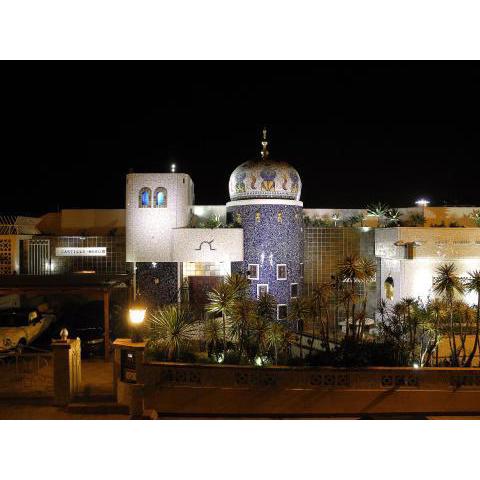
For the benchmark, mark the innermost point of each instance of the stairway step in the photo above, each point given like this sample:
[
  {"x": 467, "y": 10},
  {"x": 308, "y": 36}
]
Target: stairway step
[
  {"x": 105, "y": 408},
  {"x": 94, "y": 398}
]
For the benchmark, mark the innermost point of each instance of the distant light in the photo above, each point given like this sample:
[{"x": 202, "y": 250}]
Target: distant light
[
  {"x": 154, "y": 264},
  {"x": 173, "y": 167},
  {"x": 220, "y": 358},
  {"x": 422, "y": 202},
  {"x": 416, "y": 365}
]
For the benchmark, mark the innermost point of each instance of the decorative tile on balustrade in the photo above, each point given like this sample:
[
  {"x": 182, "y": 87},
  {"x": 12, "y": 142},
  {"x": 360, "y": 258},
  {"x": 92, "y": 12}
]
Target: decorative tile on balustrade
[{"x": 158, "y": 374}]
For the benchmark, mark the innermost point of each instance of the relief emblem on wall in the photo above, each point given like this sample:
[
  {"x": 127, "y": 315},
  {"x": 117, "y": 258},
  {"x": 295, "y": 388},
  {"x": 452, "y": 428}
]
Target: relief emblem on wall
[{"x": 210, "y": 244}]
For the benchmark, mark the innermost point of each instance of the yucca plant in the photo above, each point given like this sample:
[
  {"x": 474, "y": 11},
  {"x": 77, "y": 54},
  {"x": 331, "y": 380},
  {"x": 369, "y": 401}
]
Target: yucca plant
[
  {"x": 378, "y": 210},
  {"x": 172, "y": 330},
  {"x": 276, "y": 338}
]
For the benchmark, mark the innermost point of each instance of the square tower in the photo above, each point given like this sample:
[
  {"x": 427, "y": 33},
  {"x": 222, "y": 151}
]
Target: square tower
[{"x": 156, "y": 203}]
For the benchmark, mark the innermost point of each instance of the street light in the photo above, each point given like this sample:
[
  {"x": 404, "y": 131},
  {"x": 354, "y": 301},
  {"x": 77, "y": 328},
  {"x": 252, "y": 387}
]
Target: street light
[
  {"x": 137, "y": 317},
  {"x": 422, "y": 202}
]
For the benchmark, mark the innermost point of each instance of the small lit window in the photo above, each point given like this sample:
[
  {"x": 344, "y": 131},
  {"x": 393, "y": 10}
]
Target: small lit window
[
  {"x": 258, "y": 217},
  {"x": 282, "y": 312},
  {"x": 160, "y": 198},
  {"x": 253, "y": 271},
  {"x": 302, "y": 270},
  {"x": 281, "y": 272},
  {"x": 145, "y": 198},
  {"x": 294, "y": 290},
  {"x": 280, "y": 217},
  {"x": 262, "y": 289}
]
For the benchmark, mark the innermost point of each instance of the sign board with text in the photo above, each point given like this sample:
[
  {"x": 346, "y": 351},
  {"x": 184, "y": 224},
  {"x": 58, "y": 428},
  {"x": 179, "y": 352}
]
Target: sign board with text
[{"x": 81, "y": 251}]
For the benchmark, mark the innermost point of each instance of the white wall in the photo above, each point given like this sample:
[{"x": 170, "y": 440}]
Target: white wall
[
  {"x": 149, "y": 231},
  {"x": 226, "y": 242},
  {"x": 414, "y": 278}
]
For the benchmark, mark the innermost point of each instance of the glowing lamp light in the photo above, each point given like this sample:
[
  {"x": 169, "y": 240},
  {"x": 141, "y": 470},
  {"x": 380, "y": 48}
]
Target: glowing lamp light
[
  {"x": 416, "y": 365},
  {"x": 173, "y": 168},
  {"x": 422, "y": 202},
  {"x": 136, "y": 315}
]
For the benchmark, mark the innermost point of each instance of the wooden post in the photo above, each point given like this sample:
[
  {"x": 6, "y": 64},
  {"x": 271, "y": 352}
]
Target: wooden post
[{"x": 106, "y": 323}]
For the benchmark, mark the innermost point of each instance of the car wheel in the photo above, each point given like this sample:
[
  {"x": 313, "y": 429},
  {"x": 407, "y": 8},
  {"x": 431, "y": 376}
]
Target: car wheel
[{"x": 21, "y": 345}]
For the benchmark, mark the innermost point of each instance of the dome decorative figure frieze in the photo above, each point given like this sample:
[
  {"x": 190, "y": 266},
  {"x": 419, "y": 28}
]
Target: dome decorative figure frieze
[{"x": 265, "y": 178}]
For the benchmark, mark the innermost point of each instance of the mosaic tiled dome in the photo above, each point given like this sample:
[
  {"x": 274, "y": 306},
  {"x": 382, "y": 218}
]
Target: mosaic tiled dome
[{"x": 265, "y": 179}]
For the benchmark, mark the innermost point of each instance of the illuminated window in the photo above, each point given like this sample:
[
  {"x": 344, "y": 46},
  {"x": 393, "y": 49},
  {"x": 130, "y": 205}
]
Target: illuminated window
[
  {"x": 262, "y": 289},
  {"x": 281, "y": 272},
  {"x": 160, "y": 198},
  {"x": 145, "y": 198},
  {"x": 282, "y": 312},
  {"x": 294, "y": 290},
  {"x": 253, "y": 271},
  {"x": 389, "y": 288}
]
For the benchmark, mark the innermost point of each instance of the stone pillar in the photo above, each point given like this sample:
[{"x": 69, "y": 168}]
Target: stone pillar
[
  {"x": 128, "y": 374},
  {"x": 67, "y": 371}
]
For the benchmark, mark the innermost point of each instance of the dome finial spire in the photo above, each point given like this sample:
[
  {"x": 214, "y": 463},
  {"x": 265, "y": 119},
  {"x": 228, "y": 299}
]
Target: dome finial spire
[{"x": 264, "y": 144}]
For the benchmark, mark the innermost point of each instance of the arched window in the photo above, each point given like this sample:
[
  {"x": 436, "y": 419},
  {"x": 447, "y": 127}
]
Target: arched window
[
  {"x": 160, "y": 198},
  {"x": 389, "y": 287},
  {"x": 145, "y": 198}
]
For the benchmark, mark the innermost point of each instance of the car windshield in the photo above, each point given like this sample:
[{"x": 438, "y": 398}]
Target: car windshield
[{"x": 13, "y": 319}]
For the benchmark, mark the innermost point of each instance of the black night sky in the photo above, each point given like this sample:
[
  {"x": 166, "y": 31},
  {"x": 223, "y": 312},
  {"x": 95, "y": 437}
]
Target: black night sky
[{"x": 357, "y": 132}]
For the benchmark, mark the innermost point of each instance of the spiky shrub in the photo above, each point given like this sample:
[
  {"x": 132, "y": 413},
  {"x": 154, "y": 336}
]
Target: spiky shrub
[
  {"x": 416, "y": 219},
  {"x": 172, "y": 331},
  {"x": 475, "y": 215}
]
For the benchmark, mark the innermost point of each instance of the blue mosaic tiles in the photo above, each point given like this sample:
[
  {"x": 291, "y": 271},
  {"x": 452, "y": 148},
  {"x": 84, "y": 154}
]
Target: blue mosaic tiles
[{"x": 273, "y": 236}]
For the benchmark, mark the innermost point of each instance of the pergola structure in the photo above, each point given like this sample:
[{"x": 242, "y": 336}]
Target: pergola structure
[{"x": 97, "y": 286}]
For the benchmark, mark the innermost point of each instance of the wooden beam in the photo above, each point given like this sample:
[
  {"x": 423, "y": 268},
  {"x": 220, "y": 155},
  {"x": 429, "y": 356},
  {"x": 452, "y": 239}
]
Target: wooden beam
[{"x": 106, "y": 323}]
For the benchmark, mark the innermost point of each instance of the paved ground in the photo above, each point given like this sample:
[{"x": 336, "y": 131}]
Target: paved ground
[
  {"x": 97, "y": 380},
  {"x": 44, "y": 412}
]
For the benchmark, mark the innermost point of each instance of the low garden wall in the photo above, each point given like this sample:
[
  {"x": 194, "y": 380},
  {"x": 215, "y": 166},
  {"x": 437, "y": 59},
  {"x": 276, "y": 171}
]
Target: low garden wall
[{"x": 186, "y": 389}]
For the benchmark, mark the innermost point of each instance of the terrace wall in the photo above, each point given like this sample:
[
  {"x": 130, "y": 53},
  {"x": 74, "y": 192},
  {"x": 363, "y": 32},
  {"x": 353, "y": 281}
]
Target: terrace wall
[{"x": 181, "y": 389}]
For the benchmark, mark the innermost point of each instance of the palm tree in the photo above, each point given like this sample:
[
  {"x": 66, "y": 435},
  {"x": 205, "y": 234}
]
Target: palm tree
[
  {"x": 300, "y": 312},
  {"x": 350, "y": 271},
  {"x": 241, "y": 320},
  {"x": 265, "y": 314},
  {"x": 473, "y": 285},
  {"x": 320, "y": 300},
  {"x": 220, "y": 301},
  {"x": 276, "y": 338},
  {"x": 436, "y": 308},
  {"x": 172, "y": 328},
  {"x": 448, "y": 284},
  {"x": 368, "y": 272},
  {"x": 409, "y": 305}
]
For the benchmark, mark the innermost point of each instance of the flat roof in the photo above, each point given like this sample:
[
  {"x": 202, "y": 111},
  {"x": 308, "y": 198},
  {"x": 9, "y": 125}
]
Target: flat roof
[{"x": 61, "y": 283}]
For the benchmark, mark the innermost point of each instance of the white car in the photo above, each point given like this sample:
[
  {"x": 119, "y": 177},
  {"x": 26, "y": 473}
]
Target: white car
[{"x": 20, "y": 327}]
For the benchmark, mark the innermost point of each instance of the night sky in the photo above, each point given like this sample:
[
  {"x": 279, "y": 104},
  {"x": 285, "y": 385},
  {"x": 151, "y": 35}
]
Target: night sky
[{"x": 357, "y": 132}]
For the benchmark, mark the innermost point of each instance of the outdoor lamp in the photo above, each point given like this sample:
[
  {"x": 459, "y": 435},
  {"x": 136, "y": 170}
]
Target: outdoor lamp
[{"x": 137, "y": 317}]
